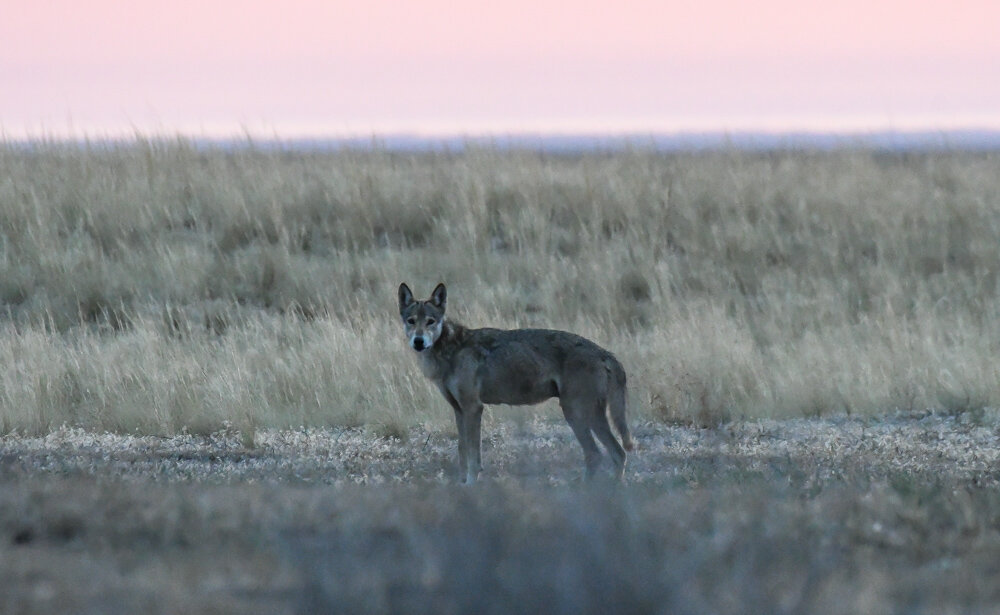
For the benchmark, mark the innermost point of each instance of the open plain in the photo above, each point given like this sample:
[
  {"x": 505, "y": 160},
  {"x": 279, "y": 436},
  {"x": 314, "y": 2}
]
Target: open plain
[
  {"x": 899, "y": 514},
  {"x": 206, "y": 404}
]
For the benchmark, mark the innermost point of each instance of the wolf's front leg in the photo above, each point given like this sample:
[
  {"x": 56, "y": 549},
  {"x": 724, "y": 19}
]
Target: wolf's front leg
[
  {"x": 463, "y": 450},
  {"x": 473, "y": 419}
]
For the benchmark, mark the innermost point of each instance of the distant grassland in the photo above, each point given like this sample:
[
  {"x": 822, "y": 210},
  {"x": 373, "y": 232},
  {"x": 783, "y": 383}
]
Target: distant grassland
[{"x": 158, "y": 287}]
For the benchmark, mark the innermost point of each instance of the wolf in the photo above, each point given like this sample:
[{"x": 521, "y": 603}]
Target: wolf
[{"x": 472, "y": 367}]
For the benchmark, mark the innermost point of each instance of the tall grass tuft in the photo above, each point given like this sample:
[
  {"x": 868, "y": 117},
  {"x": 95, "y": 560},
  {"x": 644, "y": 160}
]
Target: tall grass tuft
[{"x": 159, "y": 287}]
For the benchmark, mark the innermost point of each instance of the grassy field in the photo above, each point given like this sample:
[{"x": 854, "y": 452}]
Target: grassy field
[
  {"x": 206, "y": 404},
  {"x": 899, "y": 514},
  {"x": 155, "y": 287}
]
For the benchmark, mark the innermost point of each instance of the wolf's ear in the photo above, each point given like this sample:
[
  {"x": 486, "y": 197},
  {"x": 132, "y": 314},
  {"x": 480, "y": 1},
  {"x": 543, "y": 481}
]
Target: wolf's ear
[
  {"x": 405, "y": 297},
  {"x": 439, "y": 297}
]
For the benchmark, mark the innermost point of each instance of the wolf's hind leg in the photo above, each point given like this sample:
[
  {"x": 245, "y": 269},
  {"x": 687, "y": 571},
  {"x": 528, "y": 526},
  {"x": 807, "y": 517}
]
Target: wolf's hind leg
[
  {"x": 602, "y": 429},
  {"x": 575, "y": 413}
]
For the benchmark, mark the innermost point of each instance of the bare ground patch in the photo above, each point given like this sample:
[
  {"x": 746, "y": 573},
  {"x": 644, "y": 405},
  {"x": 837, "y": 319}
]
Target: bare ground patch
[{"x": 892, "y": 515}]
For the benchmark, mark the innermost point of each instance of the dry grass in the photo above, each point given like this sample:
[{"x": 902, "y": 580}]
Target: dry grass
[
  {"x": 219, "y": 298},
  {"x": 156, "y": 287},
  {"x": 892, "y": 515}
]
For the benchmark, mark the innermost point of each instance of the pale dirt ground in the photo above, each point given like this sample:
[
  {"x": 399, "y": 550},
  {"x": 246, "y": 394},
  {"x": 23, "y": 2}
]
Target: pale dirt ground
[
  {"x": 541, "y": 450},
  {"x": 842, "y": 515}
]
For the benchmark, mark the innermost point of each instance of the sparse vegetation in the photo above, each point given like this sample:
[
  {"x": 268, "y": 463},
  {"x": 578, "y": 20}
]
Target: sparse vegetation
[
  {"x": 160, "y": 287},
  {"x": 898, "y": 514}
]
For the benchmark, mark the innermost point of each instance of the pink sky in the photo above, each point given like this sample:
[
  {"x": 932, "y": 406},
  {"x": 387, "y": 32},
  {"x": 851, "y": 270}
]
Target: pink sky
[{"x": 319, "y": 67}]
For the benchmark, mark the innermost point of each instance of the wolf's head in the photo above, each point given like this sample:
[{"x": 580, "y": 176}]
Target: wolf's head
[{"x": 422, "y": 320}]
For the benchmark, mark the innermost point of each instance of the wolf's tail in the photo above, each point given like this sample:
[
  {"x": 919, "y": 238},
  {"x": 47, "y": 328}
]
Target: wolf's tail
[{"x": 617, "y": 396}]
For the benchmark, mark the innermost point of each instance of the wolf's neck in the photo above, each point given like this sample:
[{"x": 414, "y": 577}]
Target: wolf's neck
[
  {"x": 435, "y": 361},
  {"x": 451, "y": 334}
]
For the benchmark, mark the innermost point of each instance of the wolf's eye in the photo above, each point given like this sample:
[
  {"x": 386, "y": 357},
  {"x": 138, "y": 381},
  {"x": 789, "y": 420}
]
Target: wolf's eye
[
  {"x": 430, "y": 321},
  {"x": 411, "y": 320}
]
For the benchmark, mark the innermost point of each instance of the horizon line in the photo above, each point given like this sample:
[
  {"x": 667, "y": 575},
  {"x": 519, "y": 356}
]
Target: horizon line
[
  {"x": 860, "y": 125},
  {"x": 958, "y": 139}
]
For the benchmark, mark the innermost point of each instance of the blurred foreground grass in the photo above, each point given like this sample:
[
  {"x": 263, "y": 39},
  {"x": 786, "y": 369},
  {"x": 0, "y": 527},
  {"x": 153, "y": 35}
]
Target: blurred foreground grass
[{"x": 157, "y": 287}]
